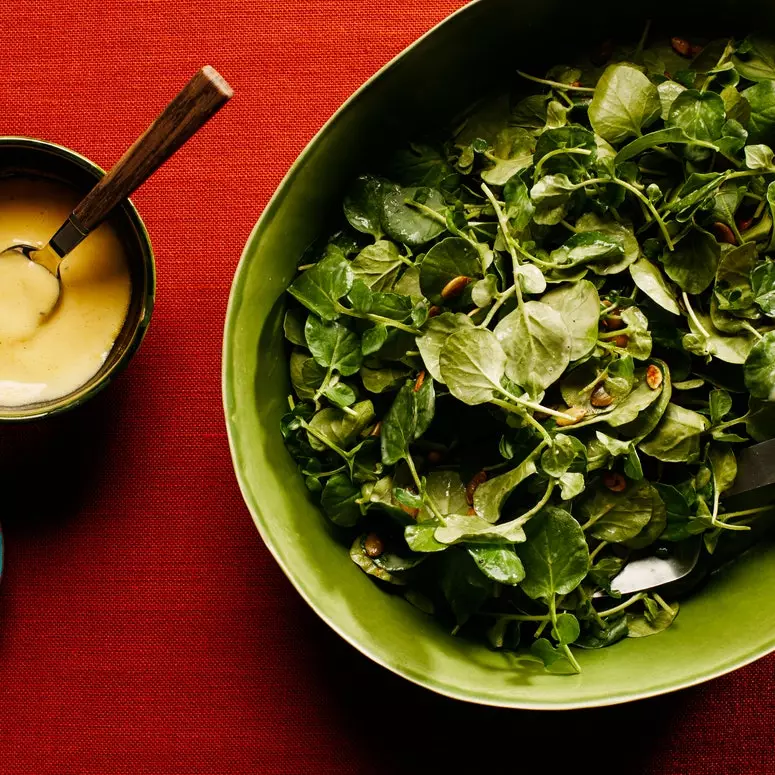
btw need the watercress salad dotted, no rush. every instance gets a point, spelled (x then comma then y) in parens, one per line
(536, 348)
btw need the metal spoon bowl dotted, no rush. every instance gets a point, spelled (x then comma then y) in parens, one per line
(667, 563)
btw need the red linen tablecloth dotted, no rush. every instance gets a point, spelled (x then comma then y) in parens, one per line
(144, 628)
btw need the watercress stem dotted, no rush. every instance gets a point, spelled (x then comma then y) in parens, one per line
(644, 199)
(504, 227)
(425, 497)
(556, 84)
(622, 606)
(599, 548)
(747, 512)
(746, 325)
(378, 319)
(693, 315)
(502, 298)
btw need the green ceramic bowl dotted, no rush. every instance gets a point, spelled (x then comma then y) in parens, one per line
(22, 156)
(729, 623)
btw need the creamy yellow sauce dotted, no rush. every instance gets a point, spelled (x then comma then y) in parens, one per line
(46, 356)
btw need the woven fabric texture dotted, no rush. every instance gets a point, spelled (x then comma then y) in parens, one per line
(144, 628)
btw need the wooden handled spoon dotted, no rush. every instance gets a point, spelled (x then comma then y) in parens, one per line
(196, 103)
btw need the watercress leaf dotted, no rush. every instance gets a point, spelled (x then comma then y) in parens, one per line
(726, 201)
(638, 335)
(499, 563)
(452, 257)
(736, 105)
(425, 407)
(564, 452)
(537, 345)
(548, 654)
(697, 192)
(595, 636)
(761, 98)
(638, 626)
(649, 279)
(755, 60)
(723, 466)
(668, 93)
(435, 334)
(373, 338)
(484, 291)
(551, 197)
(377, 265)
(758, 157)
(618, 516)
(586, 247)
(720, 405)
(338, 427)
(555, 555)
(382, 379)
(490, 496)
(759, 368)
(531, 278)
(632, 466)
(423, 165)
(463, 585)
(619, 232)
(363, 204)
(333, 346)
(692, 265)
(625, 101)
(512, 152)
(293, 326)
(471, 529)
(763, 287)
(614, 447)
(653, 139)
(306, 375)
(760, 420)
(764, 231)
(578, 304)
(630, 409)
(340, 501)
(647, 419)
(677, 437)
(699, 114)
(711, 341)
(530, 112)
(505, 633)
(733, 289)
(571, 485)
(472, 364)
(399, 425)
(448, 493)
(367, 565)
(569, 150)
(320, 287)
(389, 305)
(566, 630)
(409, 284)
(655, 526)
(519, 209)
(340, 394)
(411, 225)
(419, 538)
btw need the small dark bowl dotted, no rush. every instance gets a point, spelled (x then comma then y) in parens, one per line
(25, 156)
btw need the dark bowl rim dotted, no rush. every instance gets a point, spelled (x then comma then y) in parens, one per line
(82, 395)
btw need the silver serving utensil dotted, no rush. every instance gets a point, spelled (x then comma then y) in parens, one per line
(754, 487)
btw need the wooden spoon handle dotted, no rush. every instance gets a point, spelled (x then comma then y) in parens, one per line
(199, 100)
